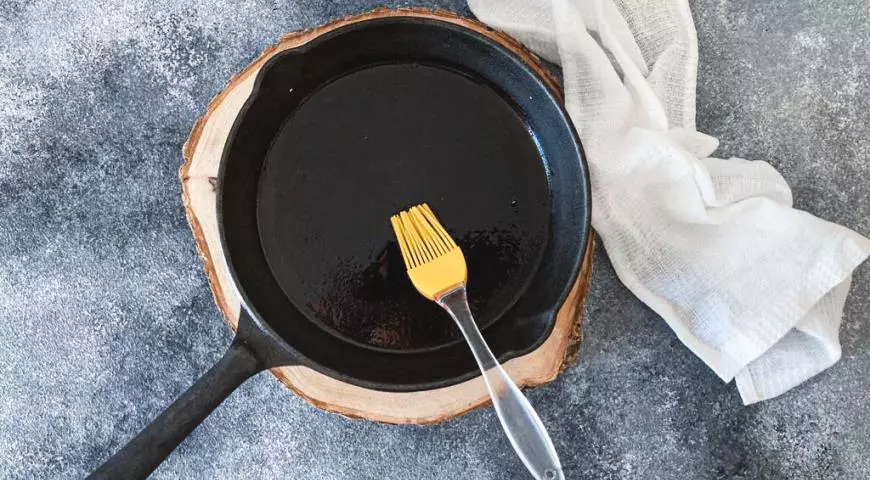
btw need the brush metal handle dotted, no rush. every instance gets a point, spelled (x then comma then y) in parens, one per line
(518, 419)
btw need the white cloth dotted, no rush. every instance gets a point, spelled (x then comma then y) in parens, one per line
(752, 286)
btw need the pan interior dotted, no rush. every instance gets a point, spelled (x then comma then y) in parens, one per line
(380, 139)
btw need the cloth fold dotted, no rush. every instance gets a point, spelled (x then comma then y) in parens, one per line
(751, 285)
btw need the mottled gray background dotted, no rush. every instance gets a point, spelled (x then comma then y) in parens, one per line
(105, 314)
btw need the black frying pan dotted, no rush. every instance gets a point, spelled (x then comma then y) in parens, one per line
(337, 135)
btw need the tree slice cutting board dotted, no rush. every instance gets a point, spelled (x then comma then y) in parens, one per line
(202, 155)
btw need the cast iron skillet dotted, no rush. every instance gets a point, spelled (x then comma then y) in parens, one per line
(337, 135)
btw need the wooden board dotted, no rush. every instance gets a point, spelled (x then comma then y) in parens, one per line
(202, 153)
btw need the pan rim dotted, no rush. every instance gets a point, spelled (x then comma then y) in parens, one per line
(575, 261)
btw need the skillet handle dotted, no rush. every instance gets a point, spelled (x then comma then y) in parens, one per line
(151, 446)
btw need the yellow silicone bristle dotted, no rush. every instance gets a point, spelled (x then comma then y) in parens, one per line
(400, 236)
(413, 238)
(436, 225)
(431, 242)
(434, 261)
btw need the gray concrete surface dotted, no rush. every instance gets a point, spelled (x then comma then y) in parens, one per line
(105, 315)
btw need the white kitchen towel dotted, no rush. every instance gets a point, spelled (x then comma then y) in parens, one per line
(751, 285)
